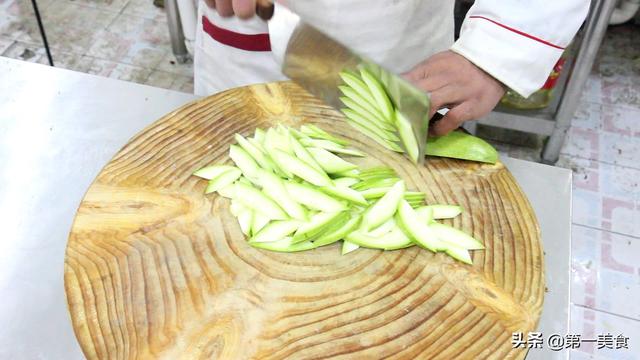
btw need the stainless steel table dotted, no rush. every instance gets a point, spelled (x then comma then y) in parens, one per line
(57, 130)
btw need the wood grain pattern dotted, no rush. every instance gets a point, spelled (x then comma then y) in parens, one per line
(155, 269)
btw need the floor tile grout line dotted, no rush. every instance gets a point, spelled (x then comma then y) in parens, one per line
(603, 104)
(606, 312)
(84, 6)
(581, 100)
(85, 52)
(119, 11)
(605, 230)
(623, 105)
(602, 131)
(42, 9)
(89, 7)
(599, 161)
(124, 6)
(7, 49)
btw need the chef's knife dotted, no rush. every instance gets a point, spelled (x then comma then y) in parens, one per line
(315, 61)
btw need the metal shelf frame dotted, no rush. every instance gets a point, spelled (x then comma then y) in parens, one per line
(176, 34)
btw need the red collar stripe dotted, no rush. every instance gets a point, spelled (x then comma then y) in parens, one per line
(248, 42)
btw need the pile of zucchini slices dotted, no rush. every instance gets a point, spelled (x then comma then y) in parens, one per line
(294, 190)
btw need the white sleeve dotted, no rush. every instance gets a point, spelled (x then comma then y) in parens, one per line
(519, 41)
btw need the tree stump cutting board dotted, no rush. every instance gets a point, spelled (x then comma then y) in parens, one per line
(156, 269)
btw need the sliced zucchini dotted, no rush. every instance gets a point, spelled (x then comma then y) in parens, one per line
(359, 86)
(346, 194)
(256, 153)
(296, 133)
(329, 162)
(455, 237)
(301, 169)
(257, 144)
(390, 145)
(331, 146)
(209, 172)
(414, 197)
(441, 211)
(244, 180)
(370, 114)
(274, 139)
(339, 233)
(275, 231)
(408, 136)
(373, 127)
(358, 97)
(313, 198)
(274, 187)
(245, 219)
(383, 209)
(459, 253)
(351, 173)
(384, 228)
(348, 247)
(459, 145)
(375, 193)
(259, 221)
(228, 191)
(413, 225)
(317, 224)
(303, 154)
(378, 92)
(268, 159)
(416, 203)
(425, 214)
(274, 164)
(223, 180)
(316, 132)
(237, 207)
(375, 183)
(258, 201)
(384, 130)
(277, 217)
(398, 240)
(244, 161)
(378, 192)
(271, 144)
(345, 181)
(395, 239)
(259, 135)
(377, 172)
(282, 130)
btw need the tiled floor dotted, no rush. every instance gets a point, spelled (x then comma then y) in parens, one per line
(123, 39)
(603, 151)
(128, 40)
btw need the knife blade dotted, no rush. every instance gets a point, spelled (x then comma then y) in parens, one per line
(315, 61)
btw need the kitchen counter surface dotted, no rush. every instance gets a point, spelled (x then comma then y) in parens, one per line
(58, 128)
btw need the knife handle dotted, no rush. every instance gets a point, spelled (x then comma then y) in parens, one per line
(264, 9)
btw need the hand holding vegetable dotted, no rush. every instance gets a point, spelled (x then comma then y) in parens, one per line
(458, 84)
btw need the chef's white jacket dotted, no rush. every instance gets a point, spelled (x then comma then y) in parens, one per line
(516, 41)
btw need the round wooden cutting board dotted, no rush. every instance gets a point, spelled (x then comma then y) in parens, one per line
(156, 269)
